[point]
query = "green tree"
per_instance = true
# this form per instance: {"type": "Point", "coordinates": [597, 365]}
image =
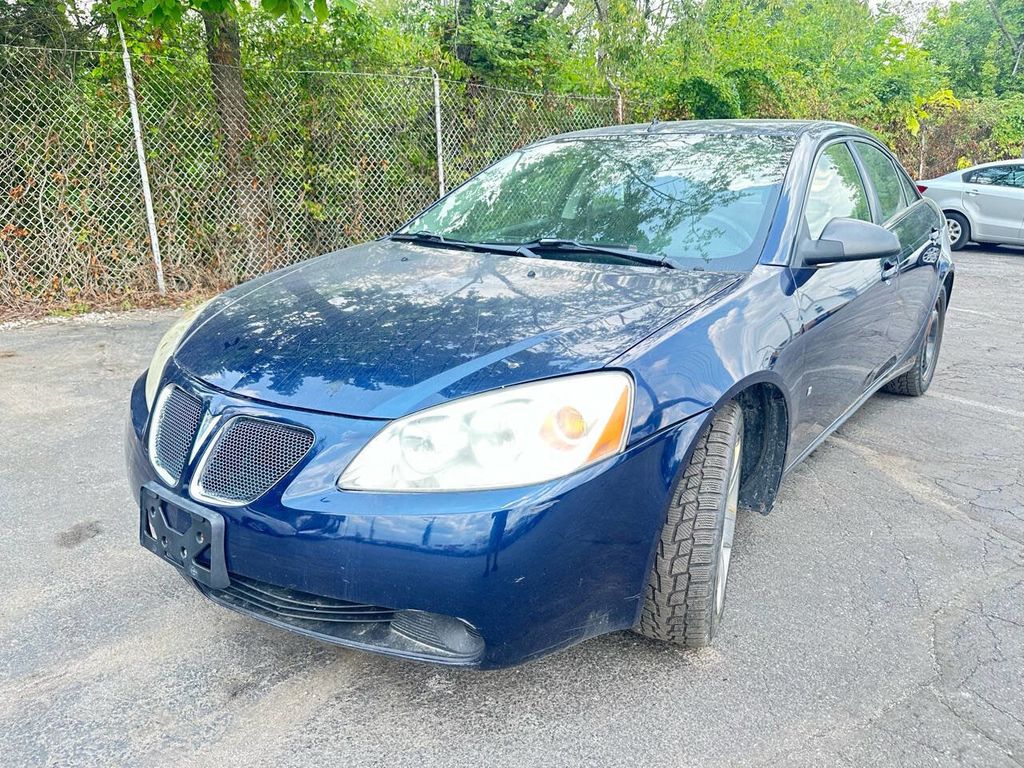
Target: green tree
{"type": "Point", "coordinates": [223, 53]}
{"type": "Point", "coordinates": [519, 43]}
{"type": "Point", "coordinates": [979, 44]}
{"type": "Point", "coordinates": [831, 59]}
{"type": "Point", "coordinates": [42, 23]}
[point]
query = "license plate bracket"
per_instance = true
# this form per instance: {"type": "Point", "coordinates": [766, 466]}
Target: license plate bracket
{"type": "Point", "coordinates": [194, 543]}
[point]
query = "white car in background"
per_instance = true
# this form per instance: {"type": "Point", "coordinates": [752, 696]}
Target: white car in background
{"type": "Point", "coordinates": [983, 204]}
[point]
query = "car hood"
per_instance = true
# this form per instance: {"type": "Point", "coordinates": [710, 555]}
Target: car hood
{"type": "Point", "coordinates": [383, 329]}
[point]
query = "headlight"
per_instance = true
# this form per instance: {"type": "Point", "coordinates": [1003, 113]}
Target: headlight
{"type": "Point", "coordinates": [524, 434]}
{"type": "Point", "coordinates": [166, 348]}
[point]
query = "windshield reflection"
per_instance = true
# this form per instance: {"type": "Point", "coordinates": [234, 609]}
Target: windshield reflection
{"type": "Point", "coordinates": [693, 199]}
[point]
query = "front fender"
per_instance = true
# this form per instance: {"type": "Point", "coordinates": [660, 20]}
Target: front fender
{"type": "Point", "coordinates": [736, 348]}
{"type": "Point", "coordinates": [709, 356]}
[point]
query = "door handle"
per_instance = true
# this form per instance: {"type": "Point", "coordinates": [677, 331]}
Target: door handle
{"type": "Point", "coordinates": [971, 192]}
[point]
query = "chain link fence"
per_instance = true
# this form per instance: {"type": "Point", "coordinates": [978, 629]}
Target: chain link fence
{"type": "Point", "coordinates": [283, 166]}
{"type": "Point", "coordinates": [70, 210]}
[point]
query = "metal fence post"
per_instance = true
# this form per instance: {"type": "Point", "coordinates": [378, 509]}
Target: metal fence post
{"type": "Point", "coordinates": [437, 132]}
{"type": "Point", "coordinates": [143, 172]}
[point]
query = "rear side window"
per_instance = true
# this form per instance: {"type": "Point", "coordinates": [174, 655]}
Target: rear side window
{"type": "Point", "coordinates": [910, 193]}
{"type": "Point", "coordinates": [884, 177]}
{"type": "Point", "coordinates": [997, 175]}
{"type": "Point", "coordinates": [836, 190]}
{"type": "Point", "coordinates": [1016, 178]}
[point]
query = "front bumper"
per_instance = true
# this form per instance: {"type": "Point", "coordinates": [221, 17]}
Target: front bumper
{"type": "Point", "coordinates": [529, 569]}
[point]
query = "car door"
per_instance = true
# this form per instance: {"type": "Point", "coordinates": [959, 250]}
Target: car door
{"type": "Point", "coordinates": [1016, 180]}
{"type": "Point", "coordinates": [845, 308]}
{"type": "Point", "coordinates": [994, 201]}
{"type": "Point", "coordinates": [918, 225]}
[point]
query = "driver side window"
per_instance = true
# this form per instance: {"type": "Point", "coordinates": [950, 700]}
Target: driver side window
{"type": "Point", "coordinates": [836, 191]}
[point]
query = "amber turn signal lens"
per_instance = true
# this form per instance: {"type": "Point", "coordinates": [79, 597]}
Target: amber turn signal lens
{"type": "Point", "coordinates": [564, 428]}
{"type": "Point", "coordinates": [612, 437]}
{"type": "Point", "coordinates": [571, 423]}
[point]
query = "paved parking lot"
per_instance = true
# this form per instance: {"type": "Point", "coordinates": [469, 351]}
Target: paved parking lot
{"type": "Point", "coordinates": [876, 616]}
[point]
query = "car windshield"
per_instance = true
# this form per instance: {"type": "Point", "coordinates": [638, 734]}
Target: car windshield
{"type": "Point", "coordinates": [691, 200]}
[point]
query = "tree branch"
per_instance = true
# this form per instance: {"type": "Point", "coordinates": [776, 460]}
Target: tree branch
{"type": "Point", "coordinates": [1001, 22]}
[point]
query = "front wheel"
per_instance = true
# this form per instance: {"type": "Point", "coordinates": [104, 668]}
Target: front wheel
{"type": "Point", "coordinates": [915, 382]}
{"type": "Point", "coordinates": [685, 593]}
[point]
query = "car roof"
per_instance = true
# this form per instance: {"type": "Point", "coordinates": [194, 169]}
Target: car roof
{"type": "Point", "coordinates": [816, 129]}
{"type": "Point", "coordinates": [1009, 161]}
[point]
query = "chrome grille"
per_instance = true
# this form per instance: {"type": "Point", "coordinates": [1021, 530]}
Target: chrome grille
{"type": "Point", "coordinates": [176, 423]}
{"type": "Point", "coordinates": [248, 458]}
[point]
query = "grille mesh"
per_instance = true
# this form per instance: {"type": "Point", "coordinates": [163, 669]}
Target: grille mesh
{"type": "Point", "coordinates": [249, 457]}
{"type": "Point", "coordinates": [177, 423]}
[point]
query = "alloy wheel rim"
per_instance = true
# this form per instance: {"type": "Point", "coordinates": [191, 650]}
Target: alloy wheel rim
{"type": "Point", "coordinates": [729, 526]}
{"type": "Point", "coordinates": [954, 229]}
{"type": "Point", "coordinates": [931, 344]}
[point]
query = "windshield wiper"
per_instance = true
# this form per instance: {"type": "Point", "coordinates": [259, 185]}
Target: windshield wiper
{"type": "Point", "coordinates": [574, 245]}
{"type": "Point", "coordinates": [432, 238]}
{"type": "Point", "coordinates": [423, 236]}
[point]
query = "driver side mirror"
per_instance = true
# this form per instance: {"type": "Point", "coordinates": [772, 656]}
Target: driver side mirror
{"type": "Point", "coordinates": [849, 240]}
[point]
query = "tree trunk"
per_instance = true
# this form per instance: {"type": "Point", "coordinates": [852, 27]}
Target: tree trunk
{"type": "Point", "coordinates": [921, 151]}
{"type": "Point", "coordinates": [558, 9]}
{"type": "Point", "coordinates": [1016, 61]}
{"type": "Point", "coordinates": [1015, 44]}
{"type": "Point", "coordinates": [463, 50]}
{"type": "Point", "coordinates": [223, 51]}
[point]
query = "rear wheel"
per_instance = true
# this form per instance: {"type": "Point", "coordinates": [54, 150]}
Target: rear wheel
{"type": "Point", "coordinates": [959, 230]}
{"type": "Point", "coordinates": [685, 594]}
{"type": "Point", "coordinates": [915, 382]}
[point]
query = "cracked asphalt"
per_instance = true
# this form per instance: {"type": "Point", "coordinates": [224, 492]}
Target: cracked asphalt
{"type": "Point", "coordinates": [876, 617]}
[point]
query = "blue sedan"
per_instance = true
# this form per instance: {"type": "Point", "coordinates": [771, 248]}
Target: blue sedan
{"type": "Point", "coordinates": [538, 411]}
